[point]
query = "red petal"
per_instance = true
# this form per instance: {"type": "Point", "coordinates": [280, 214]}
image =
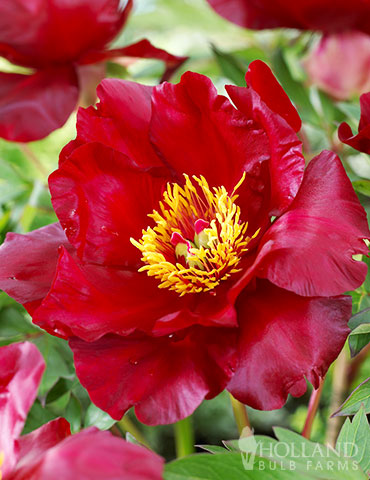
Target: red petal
{"type": "Point", "coordinates": [44, 32]}
{"type": "Point", "coordinates": [32, 106]}
{"type": "Point", "coordinates": [195, 129]}
{"type": "Point", "coordinates": [94, 455]}
{"type": "Point", "coordinates": [309, 249]}
{"type": "Point", "coordinates": [284, 338]}
{"type": "Point", "coordinates": [99, 201]}
{"type": "Point", "coordinates": [120, 121]}
{"type": "Point", "coordinates": [166, 377]}
{"type": "Point", "coordinates": [89, 301]}
{"type": "Point", "coordinates": [361, 141]}
{"type": "Point", "coordinates": [28, 262]}
{"type": "Point", "coordinates": [141, 49]}
{"type": "Point", "coordinates": [305, 14]}
{"type": "Point", "coordinates": [266, 103]}
{"type": "Point", "coordinates": [21, 370]}
{"type": "Point", "coordinates": [33, 446]}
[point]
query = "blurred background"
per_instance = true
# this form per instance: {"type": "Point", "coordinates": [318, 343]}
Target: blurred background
{"type": "Point", "coordinates": [221, 51]}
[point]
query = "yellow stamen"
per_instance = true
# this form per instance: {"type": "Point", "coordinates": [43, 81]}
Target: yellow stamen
{"type": "Point", "coordinates": [1, 463]}
{"type": "Point", "coordinates": [207, 262]}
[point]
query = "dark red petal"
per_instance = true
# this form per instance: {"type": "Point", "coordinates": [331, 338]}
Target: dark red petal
{"type": "Point", "coordinates": [90, 301]}
{"type": "Point", "coordinates": [20, 374]}
{"type": "Point", "coordinates": [283, 339]}
{"type": "Point", "coordinates": [306, 14]}
{"type": "Point", "coordinates": [28, 262]}
{"type": "Point", "coordinates": [195, 129]}
{"type": "Point", "coordinates": [309, 249]}
{"type": "Point", "coordinates": [93, 455]}
{"type": "Point", "coordinates": [101, 202]}
{"type": "Point", "coordinates": [141, 49]}
{"type": "Point", "coordinates": [266, 103]}
{"type": "Point", "coordinates": [166, 378]}
{"type": "Point", "coordinates": [120, 121]}
{"type": "Point", "coordinates": [44, 32]}
{"type": "Point", "coordinates": [32, 106]}
{"type": "Point", "coordinates": [361, 141]}
{"type": "Point", "coordinates": [260, 78]}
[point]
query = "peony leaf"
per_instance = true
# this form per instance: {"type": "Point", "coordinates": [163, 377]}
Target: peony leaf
{"type": "Point", "coordinates": [359, 396]}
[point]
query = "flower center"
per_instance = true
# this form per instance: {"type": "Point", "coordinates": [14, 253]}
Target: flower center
{"type": "Point", "coordinates": [198, 240]}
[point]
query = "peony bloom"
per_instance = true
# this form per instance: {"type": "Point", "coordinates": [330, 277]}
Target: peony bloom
{"type": "Point", "coordinates": [361, 141]}
{"type": "Point", "coordinates": [87, 455]}
{"type": "Point", "coordinates": [327, 15]}
{"type": "Point", "coordinates": [194, 252]}
{"type": "Point", "coordinates": [340, 64]}
{"type": "Point", "coordinates": [57, 39]}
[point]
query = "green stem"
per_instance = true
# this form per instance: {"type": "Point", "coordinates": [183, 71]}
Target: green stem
{"type": "Point", "coordinates": [128, 426]}
{"type": "Point", "coordinates": [184, 437]}
{"type": "Point", "coordinates": [240, 414]}
{"type": "Point", "coordinates": [312, 410]}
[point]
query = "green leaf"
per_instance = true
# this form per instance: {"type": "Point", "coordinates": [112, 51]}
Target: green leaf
{"type": "Point", "coordinates": [97, 418]}
{"type": "Point", "coordinates": [359, 396]}
{"type": "Point", "coordinates": [295, 90]}
{"type": "Point", "coordinates": [73, 413]}
{"type": "Point", "coordinates": [212, 448]}
{"type": "Point", "coordinates": [221, 466]}
{"type": "Point", "coordinates": [359, 338]}
{"type": "Point", "coordinates": [362, 186]}
{"type": "Point", "coordinates": [354, 439]}
{"type": "Point", "coordinates": [230, 66]}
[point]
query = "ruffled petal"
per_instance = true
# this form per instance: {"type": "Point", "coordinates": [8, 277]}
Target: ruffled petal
{"type": "Point", "coordinates": [309, 249]}
{"type": "Point", "coordinates": [32, 106]}
{"type": "Point", "coordinates": [361, 141]}
{"type": "Point", "coordinates": [44, 32]}
{"type": "Point", "coordinates": [101, 201]}
{"type": "Point", "coordinates": [83, 297]}
{"type": "Point", "coordinates": [94, 455]}
{"type": "Point", "coordinates": [141, 49]}
{"type": "Point", "coordinates": [28, 263]}
{"type": "Point", "coordinates": [305, 15]}
{"type": "Point", "coordinates": [120, 121]}
{"type": "Point", "coordinates": [266, 103]}
{"type": "Point", "coordinates": [283, 339]}
{"type": "Point", "coordinates": [21, 370]}
{"type": "Point", "coordinates": [166, 378]}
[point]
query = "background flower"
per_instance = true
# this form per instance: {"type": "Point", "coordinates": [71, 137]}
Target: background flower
{"type": "Point", "coordinates": [259, 330]}
{"type": "Point", "coordinates": [87, 455]}
{"type": "Point", "coordinates": [340, 64]}
{"type": "Point", "coordinates": [327, 16]}
{"type": "Point", "coordinates": [58, 40]}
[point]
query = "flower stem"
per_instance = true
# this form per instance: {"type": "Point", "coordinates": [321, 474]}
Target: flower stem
{"type": "Point", "coordinates": [312, 410]}
{"type": "Point", "coordinates": [184, 437]}
{"type": "Point", "coordinates": [127, 425]}
{"type": "Point", "coordinates": [240, 414]}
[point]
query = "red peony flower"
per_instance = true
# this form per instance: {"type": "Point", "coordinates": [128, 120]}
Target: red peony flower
{"type": "Point", "coordinates": [327, 16]}
{"type": "Point", "coordinates": [57, 39]}
{"type": "Point", "coordinates": [194, 253]}
{"type": "Point", "coordinates": [340, 64]}
{"type": "Point", "coordinates": [361, 141]}
{"type": "Point", "coordinates": [87, 455]}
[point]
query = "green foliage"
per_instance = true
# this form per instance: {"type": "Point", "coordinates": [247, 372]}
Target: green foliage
{"type": "Point", "coordinates": [359, 397]}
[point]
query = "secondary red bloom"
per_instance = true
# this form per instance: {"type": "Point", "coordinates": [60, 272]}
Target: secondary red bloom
{"type": "Point", "coordinates": [57, 39]}
{"type": "Point", "coordinates": [195, 253]}
{"type": "Point", "coordinates": [327, 15]}
{"type": "Point", "coordinates": [361, 141]}
{"type": "Point", "coordinates": [87, 455]}
{"type": "Point", "coordinates": [340, 64]}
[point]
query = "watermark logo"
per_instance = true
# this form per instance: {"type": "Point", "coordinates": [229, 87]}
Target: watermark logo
{"type": "Point", "coordinates": [270, 454]}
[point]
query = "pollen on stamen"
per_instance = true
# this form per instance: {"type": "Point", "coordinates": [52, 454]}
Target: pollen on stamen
{"type": "Point", "coordinates": [198, 239]}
